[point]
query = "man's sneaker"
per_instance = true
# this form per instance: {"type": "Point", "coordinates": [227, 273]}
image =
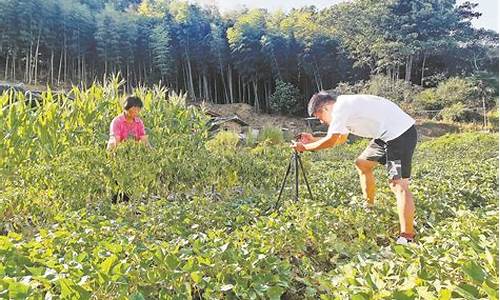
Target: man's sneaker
{"type": "Point", "coordinates": [368, 207]}
{"type": "Point", "coordinates": [402, 240]}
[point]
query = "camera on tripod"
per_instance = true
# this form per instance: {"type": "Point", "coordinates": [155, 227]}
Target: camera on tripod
{"type": "Point", "coordinates": [296, 163]}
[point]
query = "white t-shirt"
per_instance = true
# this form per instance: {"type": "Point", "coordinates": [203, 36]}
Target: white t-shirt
{"type": "Point", "coordinates": [368, 116]}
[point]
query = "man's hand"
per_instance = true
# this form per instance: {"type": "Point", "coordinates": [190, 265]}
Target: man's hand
{"type": "Point", "coordinates": [306, 138]}
{"type": "Point", "coordinates": [298, 146]}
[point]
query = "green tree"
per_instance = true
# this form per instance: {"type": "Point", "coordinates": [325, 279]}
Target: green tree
{"type": "Point", "coordinates": [245, 42]}
{"type": "Point", "coordinates": [161, 44]}
{"type": "Point", "coordinates": [285, 99]}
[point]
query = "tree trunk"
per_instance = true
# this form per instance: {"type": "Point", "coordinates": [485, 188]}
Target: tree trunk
{"type": "Point", "coordinates": [409, 64]}
{"type": "Point", "coordinates": [318, 87]}
{"type": "Point", "coordinates": [256, 100]}
{"type": "Point", "coordinates": [36, 55]}
{"type": "Point", "coordinates": [277, 66]}
{"type": "Point", "coordinates": [139, 74]}
{"type": "Point", "coordinates": [317, 76]}
{"type": "Point", "coordinates": [65, 60]}
{"type": "Point", "coordinates": [224, 86]}
{"type": "Point", "coordinates": [200, 86]}
{"type": "Point", "coordinates": [145, 72]}
{"type": "Point", "coordinates": [14, 66]}
{"type": "Point", "coordinates": [30, 65]}
{"type": "Point", "coordinates": [485, 120]}
{"type": "Point", "coordinates": [266, 106]}
{"type": "Point", "coordinates": [60, 68]}
{"type": "Point", "coordinates": [239, 88]}
{"type": "Point", "coordinates": [230, 81]}
{"type": "Point", "coordinates": [242, 97]}
{"type": "Point", "coordinates": [6, 66]}
{"type": "Point", "coordinates": [423, 70]}
{"type": "Point", "coordinates": [190, 76]}
{"type": "Point", "coordinates": [206, 92]}
{"type": "Point", "coordinates": [185, 77]}
{"type": "Point", "coordinates": [84, 70]}
{"type": "Point", "coordinates": [474, 60]}
{"type": "Point", "coordinates": [248, 95]}
{"type": "Point", "coordinates": [216, 96]}
{"type": "Point", "coordinates": [26, 67]}
{"type": "Point", "coordinates": [51, 67]}
{"type": "Point", "coordinates": [244, 92]}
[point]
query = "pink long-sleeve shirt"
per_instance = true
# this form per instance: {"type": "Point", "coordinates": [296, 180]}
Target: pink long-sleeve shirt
{"type": "Point", "coordinates": [121, 129]}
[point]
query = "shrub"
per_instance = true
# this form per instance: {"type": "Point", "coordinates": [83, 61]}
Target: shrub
{"type": "Point", "coordinates": [427, 100]}
{"type": "Point", "coordinates": [285, 98]}
{"type": "Point", "coordinates": [455, 90]}
{"type": "Point", "coordinates": [395, 90]}
{"type": "Point", "coordinates": [458, 112]}
{"type": "Point", "coordinates": [456, 96]}
{"type": "Point", "coordinates": [250, 137]}
{"type": "Point", "coordinates": [380, 85]}
{"type": "Point", "coordinates": [349, 89]}
{"type": "Point", "coordinates": [223, 142]}
{"type": "Point", "coordinates": [493, 119]}
{"type": "Point", "coordinates": [271, 134]}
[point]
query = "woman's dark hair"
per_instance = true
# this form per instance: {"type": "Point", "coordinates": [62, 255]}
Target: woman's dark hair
{"type": "Point", "coordinates": [132, 101]}
{"type": "Point", "coordinates": [318, 100]}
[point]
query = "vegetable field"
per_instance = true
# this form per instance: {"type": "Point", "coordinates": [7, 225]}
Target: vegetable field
{"type": "Point", "coordinates": [194, 227]}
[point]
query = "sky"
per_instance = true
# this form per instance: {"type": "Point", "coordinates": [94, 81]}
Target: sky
{"type": "Point", "coordinates": [489, 8]}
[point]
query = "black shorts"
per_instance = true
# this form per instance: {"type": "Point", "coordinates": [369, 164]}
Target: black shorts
{"type": "Point", "coordinates": [395, 154]}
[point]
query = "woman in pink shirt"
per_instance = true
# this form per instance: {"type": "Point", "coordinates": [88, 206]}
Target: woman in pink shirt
{"type": "Point", "coordinates": [125, 126]}
{"type": "Point", "coordinates": [128, 125]}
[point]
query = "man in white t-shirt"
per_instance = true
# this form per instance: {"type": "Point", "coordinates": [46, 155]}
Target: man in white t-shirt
{"type": "Point", "coordinates": [393, 135]}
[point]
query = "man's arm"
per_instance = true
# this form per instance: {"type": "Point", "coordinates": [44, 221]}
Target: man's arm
{"type": "Point", "coordinates": [323, 143]}
{"type": "Point", "coordinates": [326, 142]}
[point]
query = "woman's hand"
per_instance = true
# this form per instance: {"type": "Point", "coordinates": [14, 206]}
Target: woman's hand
{"type": "Point", "coordinates": [145, 140]}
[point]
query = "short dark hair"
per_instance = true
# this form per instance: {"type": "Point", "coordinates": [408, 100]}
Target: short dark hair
{"type": "Point", "coordinates": [319, 99]}
{"type": "Point", "coordinates": [132, 101]}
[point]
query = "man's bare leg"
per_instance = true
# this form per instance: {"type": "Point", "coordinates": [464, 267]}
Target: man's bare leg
{"type": "Point", "coordinates": [367, 179]}
{"type": "Point", "coordinates": [406, 206]}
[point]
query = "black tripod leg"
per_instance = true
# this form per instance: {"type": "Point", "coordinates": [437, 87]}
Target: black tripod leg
{"type": "Point", "coordinates": [296, 163]}
{"type": "Point", "coordinates": [283, 184]}
{"type": "Point", "coordinates": [305, 177]}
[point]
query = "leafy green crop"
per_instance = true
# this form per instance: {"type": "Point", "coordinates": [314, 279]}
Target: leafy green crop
{"type": "Point", "coordinates": [195, 225]}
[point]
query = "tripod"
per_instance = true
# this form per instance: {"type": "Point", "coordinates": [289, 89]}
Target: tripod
{"type": "Point", "coordinates": [296, 162]}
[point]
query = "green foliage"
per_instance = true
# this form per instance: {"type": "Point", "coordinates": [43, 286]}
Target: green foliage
{"type": "Point", "coordinates": [427, 100]}
{"type": "Point", "coordinates": [456, 112]}
{"type": "Point", "coordinates": [162, 50]}
{"type": "Point", "coordinates": [493, 118]}
{"type": "Point", "coordinates": [237, 57]}
{"type": "Point", "coordinates": [350, 89]}
{"type": "Point", "coordinates": [459, 99]}
{"type": "Point", "coordinates": [455, 90]}
{"type": "Point", "coordinates": [224, 141]}
{"type": "Point", "coordinates": [285, 99]}
{"type": "Point", "coordinates": [134, 168]}
{"type": "Point", "coordinates": [62, 238]}
{"type": "Point", "coordinates": [250, 137]}
{"type": "Point", "coordinates": [397, 90]}
{"type": "Point", "coordinates": [271, 134]}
